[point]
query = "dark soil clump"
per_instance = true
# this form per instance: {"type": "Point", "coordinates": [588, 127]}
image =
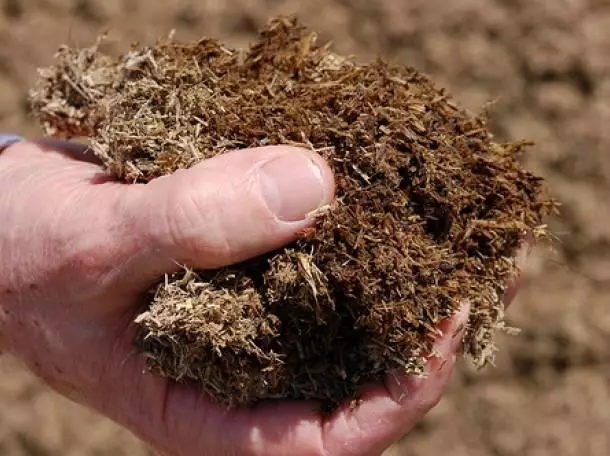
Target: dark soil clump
{"type": "Point", "coordinates": [430, 210]}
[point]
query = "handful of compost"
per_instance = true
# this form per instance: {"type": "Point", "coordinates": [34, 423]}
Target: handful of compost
{"type": "Point", "coordinates": [430, 210]}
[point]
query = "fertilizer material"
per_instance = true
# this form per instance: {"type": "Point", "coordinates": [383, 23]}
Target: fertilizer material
{"type": "Point", "coordinates": [430, 210]}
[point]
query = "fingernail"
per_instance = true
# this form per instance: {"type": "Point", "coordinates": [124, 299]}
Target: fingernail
{"type": "Point", "coordinates": [293, 186]}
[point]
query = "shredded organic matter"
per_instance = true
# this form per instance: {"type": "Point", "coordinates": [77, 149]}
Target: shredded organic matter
{"type": "Point", "coordinates": [430, 210]}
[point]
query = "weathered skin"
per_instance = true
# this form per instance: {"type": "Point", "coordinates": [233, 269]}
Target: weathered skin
{"type": "Point", "coordinates": [77, 250]}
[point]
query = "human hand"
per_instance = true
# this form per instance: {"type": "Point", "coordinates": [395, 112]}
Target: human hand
{"type": "Point", "coordinates": [77, 249]}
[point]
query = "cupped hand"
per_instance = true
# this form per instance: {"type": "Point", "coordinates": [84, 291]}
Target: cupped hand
{"type": "Point", "coordinates": [78, 249]}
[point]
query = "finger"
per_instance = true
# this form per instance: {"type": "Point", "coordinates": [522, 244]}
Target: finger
{"type": "Point", "coordinates": [197, 426]}
{"type": "Point", "coordinates": [179, 420]}
{"type": "Point", "coordinates": [229, 208]}
{"type": "Point", "coordinates": [74, 150]}
{"type": "Point", "coordinates": [387, 413]}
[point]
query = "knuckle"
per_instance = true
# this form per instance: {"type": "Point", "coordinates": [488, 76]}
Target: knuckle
{"type": "Point", "coordinates": [193, 231]}
{"type": "Point", "coordinates": [94, 262]}
{"type": "Point", "coordinates": [92, 243]}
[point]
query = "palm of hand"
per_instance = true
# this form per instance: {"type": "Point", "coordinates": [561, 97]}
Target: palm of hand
{"type": "Point", "coordinates": [89, 247]}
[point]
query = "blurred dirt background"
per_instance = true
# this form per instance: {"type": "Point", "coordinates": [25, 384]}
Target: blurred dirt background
{"type": "Point", "coordinates": [547, 66]}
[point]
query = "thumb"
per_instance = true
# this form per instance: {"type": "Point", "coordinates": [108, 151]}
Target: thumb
{"type": "Point", "coordinates": [229, 208]}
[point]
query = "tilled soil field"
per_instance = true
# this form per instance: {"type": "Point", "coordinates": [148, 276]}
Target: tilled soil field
{"type": "Point", "coordinates": [544, 65]}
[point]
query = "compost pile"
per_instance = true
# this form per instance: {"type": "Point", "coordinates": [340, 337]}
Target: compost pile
{"type": "Point", "coordinates": [430, 211]}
